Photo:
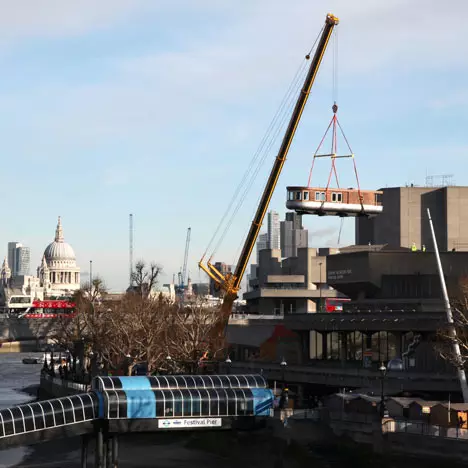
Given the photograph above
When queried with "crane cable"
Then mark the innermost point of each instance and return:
(251, 178)
(335, 122)
(280, 115)
(259, 150)
(265, 179)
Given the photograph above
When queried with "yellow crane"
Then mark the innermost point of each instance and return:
(230, 283)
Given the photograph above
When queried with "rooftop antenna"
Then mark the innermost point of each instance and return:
(131, 250)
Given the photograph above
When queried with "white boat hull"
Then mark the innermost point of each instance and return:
(333, 208)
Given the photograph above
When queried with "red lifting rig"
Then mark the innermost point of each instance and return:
(334, 201)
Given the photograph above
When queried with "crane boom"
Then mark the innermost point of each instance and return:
(231, 283)
(187, 245)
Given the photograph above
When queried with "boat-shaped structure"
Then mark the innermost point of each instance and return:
(334, 202)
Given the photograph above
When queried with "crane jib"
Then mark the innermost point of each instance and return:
(232, 284)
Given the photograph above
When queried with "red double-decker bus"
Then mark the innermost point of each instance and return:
(335, 304)
(51, 309)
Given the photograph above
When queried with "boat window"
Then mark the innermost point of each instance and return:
(337, 197)
(378, 198)
(290, 195)
(319, 196)
(306, 195)
(298, 196)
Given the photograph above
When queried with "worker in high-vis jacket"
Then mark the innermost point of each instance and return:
(413, 247)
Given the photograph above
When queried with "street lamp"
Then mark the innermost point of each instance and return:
(228, 364)
(169, 362)
(383, 408)
(283, 365)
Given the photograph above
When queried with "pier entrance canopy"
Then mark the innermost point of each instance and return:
(141, 404)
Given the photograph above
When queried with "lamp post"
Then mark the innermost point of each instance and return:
(169, 362)
(320, 287)
(383, 408)
(283, 365)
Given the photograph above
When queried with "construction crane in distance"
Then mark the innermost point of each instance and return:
(183, 272)
(230, 283)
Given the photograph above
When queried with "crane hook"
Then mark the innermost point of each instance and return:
(335, 108)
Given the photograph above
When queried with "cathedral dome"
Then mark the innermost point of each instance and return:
(59, 250)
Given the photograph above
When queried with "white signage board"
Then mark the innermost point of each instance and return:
(192, 423)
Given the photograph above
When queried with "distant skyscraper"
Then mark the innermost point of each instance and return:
(12, 246)
(274, 235)
(293, 235)
(19, 259)
(262, 244)
(23, 257)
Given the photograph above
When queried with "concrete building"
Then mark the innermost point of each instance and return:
(404, 218)
(293, 235)
(262, 244)
(396, 311)
(274, 235)
(19, 259)
(292, 285)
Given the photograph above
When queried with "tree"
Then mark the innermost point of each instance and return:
(458, 334)
(87, 329)
(144, 278)
(191, 336)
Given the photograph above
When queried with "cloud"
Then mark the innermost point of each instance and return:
(450, 99)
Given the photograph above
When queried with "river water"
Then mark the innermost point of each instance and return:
(15, 376)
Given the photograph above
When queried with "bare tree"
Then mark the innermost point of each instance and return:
(85, 332)
(191, 336)
(144, 278)
(445, 339)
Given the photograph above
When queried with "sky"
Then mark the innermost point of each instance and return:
(156, 108)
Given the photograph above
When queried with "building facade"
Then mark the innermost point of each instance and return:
(293, 235)
(292, 285)
(262, 244)
(404, 220)
(57, 276)
(19, 259)
(274, 235)
(396, 311)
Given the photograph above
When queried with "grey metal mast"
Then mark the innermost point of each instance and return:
(448, 311)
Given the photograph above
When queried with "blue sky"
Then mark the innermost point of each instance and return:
(156, 107)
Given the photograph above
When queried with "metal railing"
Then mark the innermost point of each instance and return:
(255, 317)
(66, 383)
(421, 428)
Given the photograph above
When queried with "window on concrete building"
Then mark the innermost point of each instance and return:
(354, 346)
(333, 345)
(393, 345)
(316, 345)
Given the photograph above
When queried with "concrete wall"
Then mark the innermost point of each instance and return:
(457, 218)
(27, 329)
(404, 218)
